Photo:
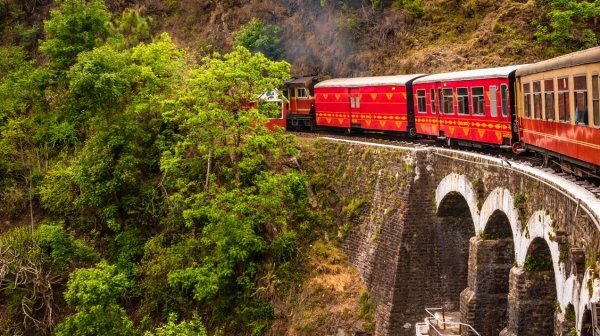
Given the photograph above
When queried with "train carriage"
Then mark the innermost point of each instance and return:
(382, 103)
(473, 106)
(559, 111)
(300, 102)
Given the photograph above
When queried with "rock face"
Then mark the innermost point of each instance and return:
(441, 228)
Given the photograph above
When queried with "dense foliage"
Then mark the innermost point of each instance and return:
(132, 153)
(570, 24)
(259, 37)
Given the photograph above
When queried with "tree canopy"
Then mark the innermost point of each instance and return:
(161, 165)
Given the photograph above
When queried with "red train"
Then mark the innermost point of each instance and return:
(550, 107)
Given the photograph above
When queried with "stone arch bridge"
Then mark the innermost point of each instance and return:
(514, 248)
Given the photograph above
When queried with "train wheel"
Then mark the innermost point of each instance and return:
(517, 148)
(449, 142)
(546, 159)
(412, 132)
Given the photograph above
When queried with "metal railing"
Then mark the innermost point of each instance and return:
(436, 319)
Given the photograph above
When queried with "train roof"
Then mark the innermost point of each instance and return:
(300, 81)
(469, 74)
(587, 56)
(368, 81)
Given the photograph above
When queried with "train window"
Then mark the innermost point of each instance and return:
(448, 101)
(441, 101)
(352, 103)
(581, 100)
(301, 93)
(596, 99)
(432, 92)
(478, 101)
(493, 102)
(549, 98)
(292, 93)
(421, 101)
(537, 100)
(357, 102)
(463, 101)
(564, 110)
(504, 96)
(527, 100)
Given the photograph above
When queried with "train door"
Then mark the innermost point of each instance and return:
(494, 103)
(436, 96)
(354, 111)
(441, 110)
(293, 101)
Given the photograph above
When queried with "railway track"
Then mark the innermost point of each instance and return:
(530, 159)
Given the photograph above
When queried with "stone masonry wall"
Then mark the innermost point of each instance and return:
(412, 255)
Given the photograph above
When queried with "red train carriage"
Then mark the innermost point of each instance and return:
(559, 109)
(366, 103)
(472, 107)
(300, 104)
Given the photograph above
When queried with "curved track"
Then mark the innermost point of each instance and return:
(590, 184)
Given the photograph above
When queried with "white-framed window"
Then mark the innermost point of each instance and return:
(448, 99)
(564, 110)
(504, 97)
(527, 100)
(478, 101)
(463, 101)
(549, 98)
(581, 100)
(301, 93)
(537, 100)
(421, 101)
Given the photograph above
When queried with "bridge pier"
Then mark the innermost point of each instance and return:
(483, 304)
(531, 303)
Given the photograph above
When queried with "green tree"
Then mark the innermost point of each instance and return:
(568, 24)
(76, 26)
(259, 37)
(183, 328)
(22, 98)
(131, 29)
(94, 294)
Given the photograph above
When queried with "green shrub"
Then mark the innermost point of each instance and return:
(258, 37)
(193, 327)
(94, 294)
(535, 263)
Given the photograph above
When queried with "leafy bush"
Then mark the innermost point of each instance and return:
(258, 37)
(78, 25)
(183, 328)
(534, 263)
(94, 294)
(567, 26)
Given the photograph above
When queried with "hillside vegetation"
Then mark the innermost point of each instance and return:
(142, 194)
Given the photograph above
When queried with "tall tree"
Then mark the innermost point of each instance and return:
(76, 26)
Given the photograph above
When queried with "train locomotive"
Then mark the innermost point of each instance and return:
(550, 107)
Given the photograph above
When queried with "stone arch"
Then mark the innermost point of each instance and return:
(585, 323)
(498, 226)
(456, 183)
(484, 303)
(453, 228)
(539, 227)
(500, 200)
